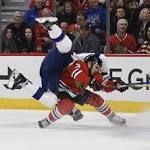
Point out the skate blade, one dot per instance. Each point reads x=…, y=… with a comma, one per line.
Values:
x=44, y=19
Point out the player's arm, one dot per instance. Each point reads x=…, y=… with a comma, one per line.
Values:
x=107, y=84
x=101, y=83
x=77, y=71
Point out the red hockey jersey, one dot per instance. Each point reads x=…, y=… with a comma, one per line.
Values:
x=76, y=71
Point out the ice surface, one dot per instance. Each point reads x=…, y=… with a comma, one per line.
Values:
x=18, y=131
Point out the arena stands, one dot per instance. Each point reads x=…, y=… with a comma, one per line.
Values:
x=9, y=7
x=136, y=12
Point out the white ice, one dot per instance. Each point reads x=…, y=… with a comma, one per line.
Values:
x=18, y=131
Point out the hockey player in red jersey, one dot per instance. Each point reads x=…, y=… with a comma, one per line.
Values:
x=72, y=89
x=73, y=81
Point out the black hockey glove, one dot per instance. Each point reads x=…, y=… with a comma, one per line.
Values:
x=96, y=86
x=121, y=85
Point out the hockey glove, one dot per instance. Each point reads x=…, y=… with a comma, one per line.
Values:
x=96, y=86
x=121, y=85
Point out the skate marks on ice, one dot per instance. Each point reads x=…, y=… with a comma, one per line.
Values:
x=19, y=118
x=28, y=119
x=137, y=124
x=18, y=131
x=140, y=120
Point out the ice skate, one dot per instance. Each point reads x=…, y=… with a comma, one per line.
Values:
x=16, y=81
x=44, y=123
x=76, y=114
x=47, y=21
x=117, y=120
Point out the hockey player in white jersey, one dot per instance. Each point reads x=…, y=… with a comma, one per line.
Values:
x=52, y=65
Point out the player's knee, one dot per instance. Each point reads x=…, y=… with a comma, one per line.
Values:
x=96, y=101
x=64, y=46
x=65, y=106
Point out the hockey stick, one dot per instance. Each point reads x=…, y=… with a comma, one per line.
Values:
x=98, y=86
x=145, y=84
x=132, y=85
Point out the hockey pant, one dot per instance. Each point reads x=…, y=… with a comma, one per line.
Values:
x=94, y=100
x=66, y=105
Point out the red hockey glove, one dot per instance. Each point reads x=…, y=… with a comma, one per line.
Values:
x=106, y=84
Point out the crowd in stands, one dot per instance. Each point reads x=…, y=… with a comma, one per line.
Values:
x=84, y=21
x=130, y=26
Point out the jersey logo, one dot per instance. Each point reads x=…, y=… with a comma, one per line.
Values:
x=77, y=66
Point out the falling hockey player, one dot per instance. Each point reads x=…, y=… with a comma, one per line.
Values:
x=73, y=82
x=52, y=65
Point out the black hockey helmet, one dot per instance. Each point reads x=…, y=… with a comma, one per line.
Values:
x=94, y=59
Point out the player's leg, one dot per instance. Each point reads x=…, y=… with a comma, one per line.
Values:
x=63, y=108
x=48, y=99
x=101, y=106
x=63, y=43
x=49, y=71
x=75, y=113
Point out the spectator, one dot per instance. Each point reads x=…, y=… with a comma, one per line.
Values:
x=8, y=42
x=144, y=20
x=87, y=42
x=64, y=28
x=47, y=4
x=96, y=16
x=145, y=47
x=132, y=5
x=80, y=5
x=135, y=15
x=42, y=39
x=29, y=42
x=32, y=13
x=121, y=41
x=18, y=28
x=118, y=3
x=74, y=28
x=67, y=15
x=118, y=14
